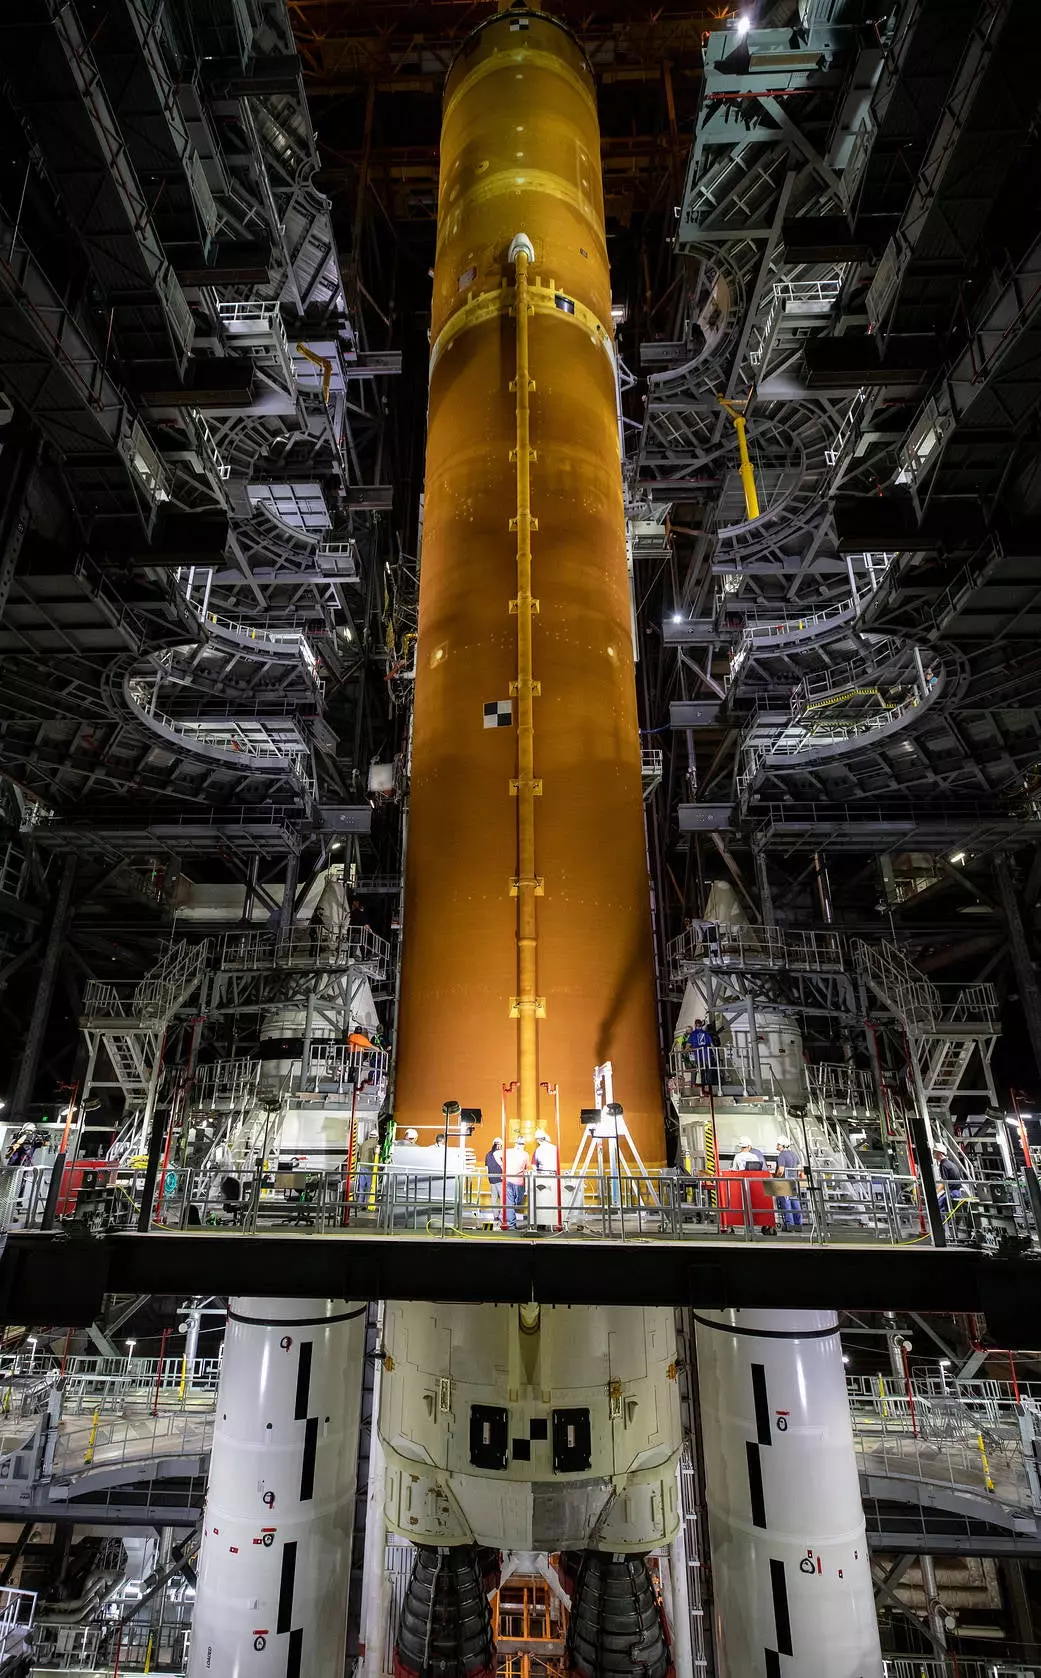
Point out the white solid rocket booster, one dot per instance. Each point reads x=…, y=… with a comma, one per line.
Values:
x=276, y=1550
x=791, y=1575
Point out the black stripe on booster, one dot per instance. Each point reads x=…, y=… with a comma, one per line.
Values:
x=286, y=1586
x=303, y=1380
x=755, y=1485
x=773, y=1663
x=762, y=1408
x=779, y=1587
x=295, y=1655
x=310, y=1453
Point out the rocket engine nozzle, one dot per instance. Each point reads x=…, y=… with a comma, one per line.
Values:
x=445, y=1630
x=617, y=1624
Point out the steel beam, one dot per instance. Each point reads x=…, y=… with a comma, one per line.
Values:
x=39, y=1271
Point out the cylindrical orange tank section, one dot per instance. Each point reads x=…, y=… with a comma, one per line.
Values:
x=520, y=156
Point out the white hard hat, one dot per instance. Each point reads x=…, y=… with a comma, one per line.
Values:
x=744, y=1141
x=542, y=1136
x=784, y=1142
x=411, y=1136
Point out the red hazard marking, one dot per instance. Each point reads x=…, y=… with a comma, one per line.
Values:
x=233, y=1549
x=262, y=1633
x=269, y=1529
x=819, y=1569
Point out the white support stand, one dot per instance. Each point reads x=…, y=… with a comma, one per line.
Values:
x=607, y=1151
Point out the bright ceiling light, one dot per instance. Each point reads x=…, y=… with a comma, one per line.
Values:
x=743, y=25
x=959, y=856
x=677, y=617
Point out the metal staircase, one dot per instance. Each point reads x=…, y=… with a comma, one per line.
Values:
x=944, y=1063
x=898, y=984
x=127, y=1021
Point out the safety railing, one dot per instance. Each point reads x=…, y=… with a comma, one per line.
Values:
x=105, y=1649
x=836, y=1204
x=719, y=944
x=256, y=328
x=130, y=1385
x=936, y=1666
x=107, y=1441
x=940, y=1440
x=313, y=946
x=810, y=737
x=17, y=1613
x=968, y=1004
x=227, y=1082
x=983, y=1400
x=152, y=999
x=849, y=679
x=717, y=1068
x=847, y=426
x=334, y=1068
x=838, y=1085
x=898, y=983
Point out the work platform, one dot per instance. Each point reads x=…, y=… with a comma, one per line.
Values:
x=48, y=1278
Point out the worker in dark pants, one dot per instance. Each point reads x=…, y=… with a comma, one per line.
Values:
x=951, y=1183
x=789, y=1165
x=493, y=1166
x=700, y=1055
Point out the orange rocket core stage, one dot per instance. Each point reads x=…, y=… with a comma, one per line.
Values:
x=527, y=943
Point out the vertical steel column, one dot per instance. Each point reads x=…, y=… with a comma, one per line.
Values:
x=922, y=1138
x=287, y=912
x=766, y=900
x=20, y=455
x=790, y=1570
x=1029, y=992
x=1022, y=960
x=30, y=1061
x=275, y=1561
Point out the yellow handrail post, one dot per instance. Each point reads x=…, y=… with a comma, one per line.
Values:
x=987, y=1481
x=89, y=1454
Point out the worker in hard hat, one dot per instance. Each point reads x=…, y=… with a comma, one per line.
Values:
x=546, y=1161
x=516, y=1163
x=788, y=1165
x=365, y=1160
x=748, y=1157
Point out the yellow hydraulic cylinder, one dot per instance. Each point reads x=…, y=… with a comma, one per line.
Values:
x=527, y=943
x=737, y=415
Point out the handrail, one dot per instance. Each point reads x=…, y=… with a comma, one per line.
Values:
x=838, y=1202
x=718, y=944
x=314, y=945
x=898, y=983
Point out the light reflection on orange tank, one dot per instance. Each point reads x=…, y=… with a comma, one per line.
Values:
x=520, y=154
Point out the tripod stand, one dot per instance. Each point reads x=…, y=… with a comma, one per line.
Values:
x=607, y=1153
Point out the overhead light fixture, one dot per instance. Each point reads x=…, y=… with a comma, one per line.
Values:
x=959, y=856
x=742, y=26
x=677, y=617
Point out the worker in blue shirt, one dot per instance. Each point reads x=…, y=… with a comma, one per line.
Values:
x=699, y=1051
x=788, y=1165
x=952, y=1187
